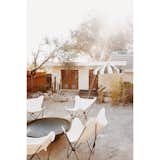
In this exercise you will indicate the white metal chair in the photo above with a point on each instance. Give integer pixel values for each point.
(80, 133)
(35, 107)
(35, 145)
(81, 105)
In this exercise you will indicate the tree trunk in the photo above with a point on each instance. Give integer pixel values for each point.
(32, 80)
(55, 84)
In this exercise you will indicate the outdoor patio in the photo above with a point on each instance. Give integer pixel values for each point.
(113, 143)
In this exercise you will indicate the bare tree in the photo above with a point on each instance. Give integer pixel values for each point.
(85, 37)
(36, 65)
(92, 38)
(121, 39)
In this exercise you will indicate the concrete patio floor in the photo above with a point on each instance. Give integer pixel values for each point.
(115, 142)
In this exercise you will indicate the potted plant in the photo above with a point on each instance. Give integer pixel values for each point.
(107, 96)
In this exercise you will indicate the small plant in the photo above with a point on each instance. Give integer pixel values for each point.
(107, 94)
(127, 93)
(122, 92)
(42, 88)
(116, 91)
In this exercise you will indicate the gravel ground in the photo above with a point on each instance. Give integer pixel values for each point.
(115, 142)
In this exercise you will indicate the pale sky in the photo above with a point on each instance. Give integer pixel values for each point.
(57, 17)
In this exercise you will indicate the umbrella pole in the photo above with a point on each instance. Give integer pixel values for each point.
(90, 89)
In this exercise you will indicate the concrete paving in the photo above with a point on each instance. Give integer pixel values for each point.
(115, 142)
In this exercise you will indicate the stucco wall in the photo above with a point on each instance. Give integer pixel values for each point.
(83, 81)
(83, 77)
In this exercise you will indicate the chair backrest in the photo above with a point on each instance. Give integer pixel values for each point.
(89, 131)
(94, 126)
(101, 120)
(75, 131)
(35, 145)
(35, 102)
(50, 138)
(83, 103)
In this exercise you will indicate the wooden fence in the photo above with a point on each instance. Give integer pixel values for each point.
(40, 82)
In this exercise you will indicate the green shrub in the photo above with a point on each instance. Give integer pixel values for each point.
(122, 92)
(127, 93)
(116, 91)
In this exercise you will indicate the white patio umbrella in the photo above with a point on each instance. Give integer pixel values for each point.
(107, 68)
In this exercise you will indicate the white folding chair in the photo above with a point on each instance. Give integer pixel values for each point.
(81, 105)
(73, 135)
(79, 133)
(35, 107)
(100, 123)
(35, 145)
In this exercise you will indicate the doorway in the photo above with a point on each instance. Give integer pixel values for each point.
(69, 79)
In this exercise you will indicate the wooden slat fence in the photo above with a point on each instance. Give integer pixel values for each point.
(40, 82)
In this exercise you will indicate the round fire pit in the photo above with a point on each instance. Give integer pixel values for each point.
(41, 127)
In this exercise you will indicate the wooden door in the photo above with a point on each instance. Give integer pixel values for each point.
(69, 79)
(64, 74)
(93, 81)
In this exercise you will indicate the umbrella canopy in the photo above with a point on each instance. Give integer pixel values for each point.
(108, 68)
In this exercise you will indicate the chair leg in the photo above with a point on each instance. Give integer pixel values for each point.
(69, 152)
(76, 155)
(90, 155)
(85, 115)
(31, 157)
(73, 149)
(78, 146)
(49, 152)
(71, 115)
(32, 116)
(38, 156)
(92, 150)
(38, 115)
(42, 114)
(89, 146)
(34, 156)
